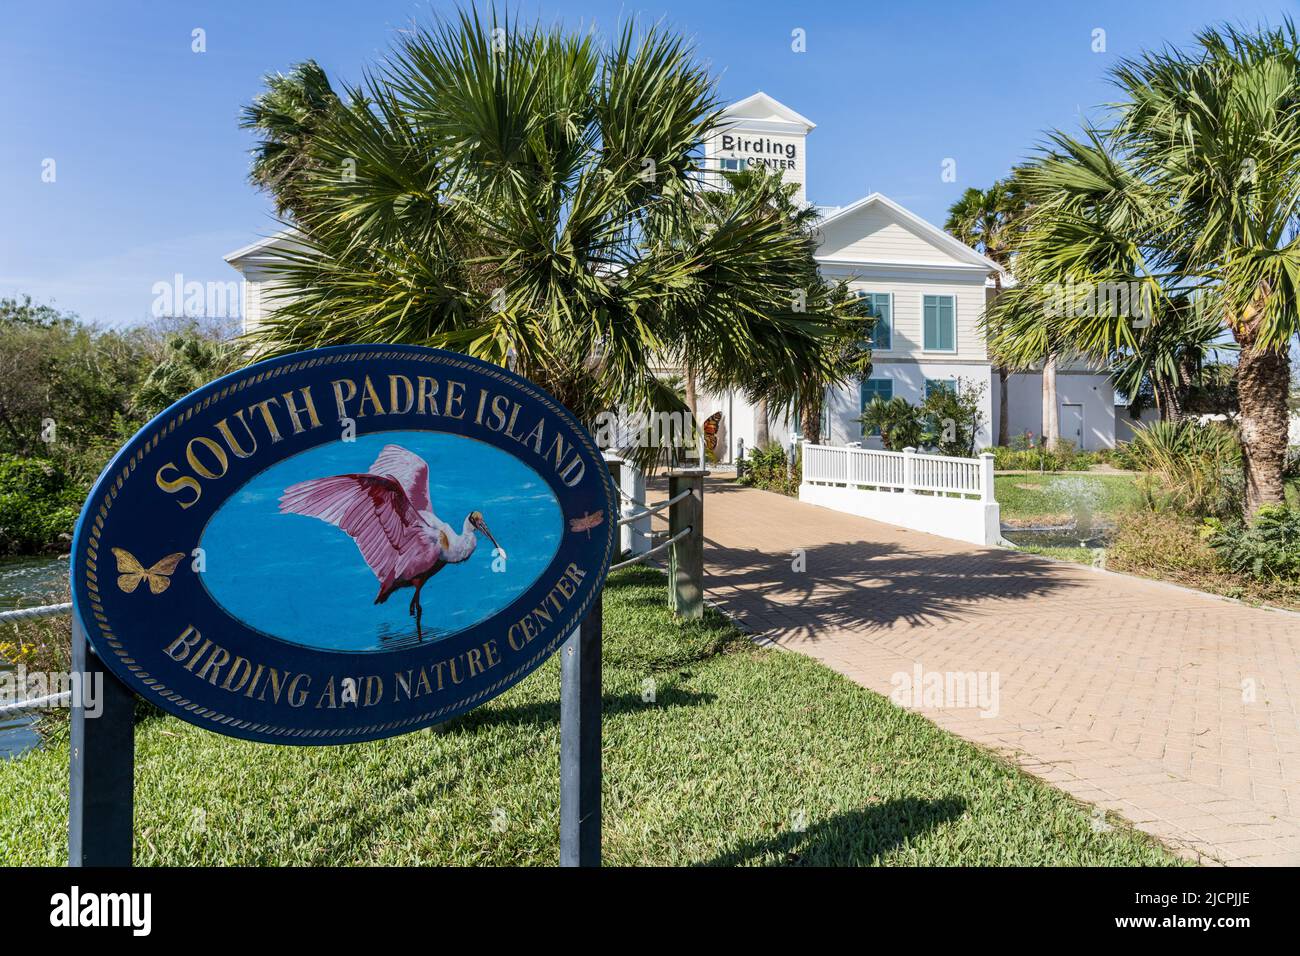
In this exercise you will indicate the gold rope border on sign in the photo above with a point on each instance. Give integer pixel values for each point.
(377, 730)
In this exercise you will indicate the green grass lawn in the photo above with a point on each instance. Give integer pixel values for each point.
(1025, 497)
(746, 756)
(1077, 555)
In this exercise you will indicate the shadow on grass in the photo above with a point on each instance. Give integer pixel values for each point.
(855, 838)
(548, 712)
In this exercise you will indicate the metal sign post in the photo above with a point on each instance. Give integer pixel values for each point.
(101, 797)
(580, 739)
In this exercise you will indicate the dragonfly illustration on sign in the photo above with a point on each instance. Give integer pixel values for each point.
(588, 521)
(387, 511)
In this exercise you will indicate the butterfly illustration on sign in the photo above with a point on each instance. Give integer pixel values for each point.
(131, 572)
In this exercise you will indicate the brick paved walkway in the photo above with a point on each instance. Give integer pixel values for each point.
(1126, 693)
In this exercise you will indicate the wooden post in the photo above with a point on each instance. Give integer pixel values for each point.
(580, 689)
(616, 466)
(686, 557)
(102, 770)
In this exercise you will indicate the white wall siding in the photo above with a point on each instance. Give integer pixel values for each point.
(907, 296)
(874, 234)
(1093, 391)
(1124, 421)
(909, 383)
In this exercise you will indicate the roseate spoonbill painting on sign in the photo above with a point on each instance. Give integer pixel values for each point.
(387, 511)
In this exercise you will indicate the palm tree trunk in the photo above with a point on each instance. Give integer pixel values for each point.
(1051, 415)
(1004, 405)
(1004, 408)
(691, 397)
(1169, 399)
(811, 418)
(761, 436)
(1263, 380)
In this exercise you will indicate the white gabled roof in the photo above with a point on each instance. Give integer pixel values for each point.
(956, 247)
(760, 106)
(261, 248)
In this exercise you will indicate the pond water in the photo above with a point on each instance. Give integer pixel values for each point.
(1068, 537)
(24, 582)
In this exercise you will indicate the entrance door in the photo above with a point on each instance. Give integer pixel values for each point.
(1072, 424)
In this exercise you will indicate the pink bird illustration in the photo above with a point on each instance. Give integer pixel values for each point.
(388, 513)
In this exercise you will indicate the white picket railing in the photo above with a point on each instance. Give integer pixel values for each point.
(903, 471)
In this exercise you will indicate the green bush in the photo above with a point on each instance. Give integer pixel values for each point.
(1191, 468)
(1163, 546)
(38, 505)
(1065, 457)
(765, 468)
(897, 421)
(1267, 549)
(952, 416)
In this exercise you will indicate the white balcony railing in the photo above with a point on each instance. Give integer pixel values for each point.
(902, 471)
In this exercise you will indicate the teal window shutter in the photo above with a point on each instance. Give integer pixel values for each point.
(880, 305)
(939, 316)
(882, 388)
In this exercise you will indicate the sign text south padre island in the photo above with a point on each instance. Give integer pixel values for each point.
(343, 544)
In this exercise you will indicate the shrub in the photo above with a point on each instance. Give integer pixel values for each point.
(1160, 546)
(1065, 457)
(952, 416)
(1191, 468)
(1269, 548)
(38, 505)
(897, 420)
(765, 468)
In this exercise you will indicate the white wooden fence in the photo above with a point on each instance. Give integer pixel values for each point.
(934, 493)
(904, 471)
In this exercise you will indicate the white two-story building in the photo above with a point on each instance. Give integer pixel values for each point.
(928, 289)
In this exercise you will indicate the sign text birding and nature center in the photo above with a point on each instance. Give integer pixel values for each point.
(344, 544)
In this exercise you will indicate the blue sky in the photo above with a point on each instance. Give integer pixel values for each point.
(150, 164)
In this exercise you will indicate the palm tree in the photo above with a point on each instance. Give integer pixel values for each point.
(897, 420)
(1192, 192)
(989, 220)
(1170, 359)
(846, 345)
(286, 116)
(533, 198)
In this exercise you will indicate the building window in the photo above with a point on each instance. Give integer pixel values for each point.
(881, 307)
(730, 165)
(935, 383)
(882, 388)
(939, 314)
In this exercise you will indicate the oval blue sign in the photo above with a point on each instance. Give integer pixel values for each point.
(343, 544)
